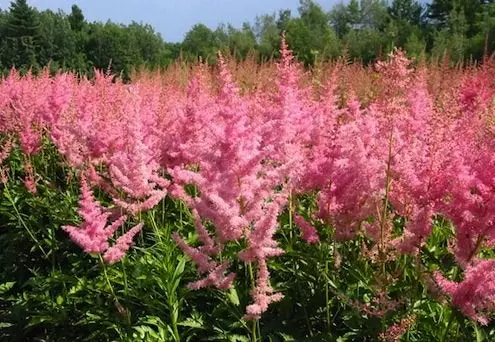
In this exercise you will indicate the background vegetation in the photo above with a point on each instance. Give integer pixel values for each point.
(360, 29)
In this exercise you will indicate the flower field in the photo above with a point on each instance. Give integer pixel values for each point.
(250, 202)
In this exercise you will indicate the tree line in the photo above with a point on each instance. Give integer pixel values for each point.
(363, 30)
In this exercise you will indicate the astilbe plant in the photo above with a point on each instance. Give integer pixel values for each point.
(94, 232)
(390, 147)
(236, 186)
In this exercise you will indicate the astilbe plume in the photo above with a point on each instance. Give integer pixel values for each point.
(134, 169)
(122, 245)
(5, 149)
(94, 232)
(209, 148)
(470, 202)
(348, 173)
(396, 330)
(25, 101)
(237, 178)
(417, 160)
(288, 117)
(309, 233)
(21, 115)
(92, 125)
(29, 179)
(475, 295)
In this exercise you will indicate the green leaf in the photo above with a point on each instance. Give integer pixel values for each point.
(233, 297)
(192, 323)
(6, 286)
(4, 325)
(480, 334)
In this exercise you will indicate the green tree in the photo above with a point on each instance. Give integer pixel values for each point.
(439, 11)
(415, 45)
(201, 41)
(406, 11)
(22, 35)
(284, 16)
(407, 17)
(58, 42)
(340, 19)
(364, 44)
(108, 48)
(76, 18)
(267, 35)
(452, 39)
(241, 41)
(485, 37)
(373, 14)
(145, 45)
(310, 35)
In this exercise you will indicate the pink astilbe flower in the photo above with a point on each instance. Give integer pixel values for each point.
(134, 168)
(122, 245)
(475, 295)
(309, 232)
(25, 103)
(215, 277)
(263, 294)
(29, 179)
(355, 178)
(5, 150)
(93, 233)
(396, 330)
(477, 92)
(236, 178)
(202, 257)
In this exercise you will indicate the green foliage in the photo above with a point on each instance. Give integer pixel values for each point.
(201, 41)
(22, 36)
(50, 290)
(267, 32)
(311, 35)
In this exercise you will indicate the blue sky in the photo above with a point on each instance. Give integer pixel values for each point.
(172, 18)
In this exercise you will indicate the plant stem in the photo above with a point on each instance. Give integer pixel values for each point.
(11, 200)
(327, 296)
(254, 322)
(446, 332)
(290, 215)
(117, 302)
(106, 277)
(173, 318)
(452, 316)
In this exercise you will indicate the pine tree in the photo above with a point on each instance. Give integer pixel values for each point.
(22, 34)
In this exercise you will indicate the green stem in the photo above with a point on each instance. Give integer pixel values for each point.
(290, 215)
(173, 318)
(327, 296)
(155, 226)
(124, 274)
(117, 302)
(452, 315)
(254, 322)
(446, 332)
(11, 200)
(106, 277)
